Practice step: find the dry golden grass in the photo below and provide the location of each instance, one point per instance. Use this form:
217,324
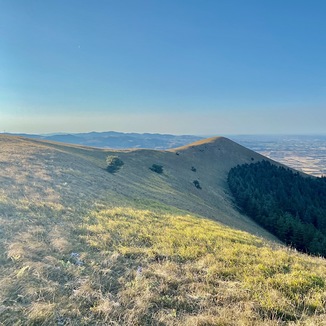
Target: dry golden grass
150,251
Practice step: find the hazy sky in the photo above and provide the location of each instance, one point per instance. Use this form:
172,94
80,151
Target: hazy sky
169,66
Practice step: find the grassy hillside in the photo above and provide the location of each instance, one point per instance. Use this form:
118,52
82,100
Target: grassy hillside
82,246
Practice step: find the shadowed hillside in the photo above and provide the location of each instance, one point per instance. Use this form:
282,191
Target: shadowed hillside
83,246
212,159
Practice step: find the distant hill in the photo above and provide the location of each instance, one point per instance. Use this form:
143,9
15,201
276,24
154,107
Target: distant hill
212,158
82,246
119,140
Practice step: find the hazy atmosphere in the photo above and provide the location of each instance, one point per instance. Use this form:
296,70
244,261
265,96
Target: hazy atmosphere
212,67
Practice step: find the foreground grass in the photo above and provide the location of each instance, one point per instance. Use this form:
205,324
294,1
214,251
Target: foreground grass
160,266
181,269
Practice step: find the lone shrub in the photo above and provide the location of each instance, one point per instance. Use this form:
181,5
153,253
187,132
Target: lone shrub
193,169
196,183
157,168
114,164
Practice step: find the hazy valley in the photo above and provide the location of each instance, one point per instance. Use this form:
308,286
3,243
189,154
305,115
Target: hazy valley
303,153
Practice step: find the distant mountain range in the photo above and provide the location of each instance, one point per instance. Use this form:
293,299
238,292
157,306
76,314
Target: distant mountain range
118,140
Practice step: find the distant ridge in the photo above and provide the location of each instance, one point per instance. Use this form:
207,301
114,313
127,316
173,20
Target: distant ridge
118,140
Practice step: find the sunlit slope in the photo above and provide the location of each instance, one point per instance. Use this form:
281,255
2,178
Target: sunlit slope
81,246
208,162
211,159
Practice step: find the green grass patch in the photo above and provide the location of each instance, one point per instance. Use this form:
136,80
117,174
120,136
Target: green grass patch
157,266
189,263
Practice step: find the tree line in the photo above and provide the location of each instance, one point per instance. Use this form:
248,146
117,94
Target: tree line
289,205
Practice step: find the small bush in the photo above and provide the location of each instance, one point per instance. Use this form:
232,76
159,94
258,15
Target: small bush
196,183
114,163
157,168
193,169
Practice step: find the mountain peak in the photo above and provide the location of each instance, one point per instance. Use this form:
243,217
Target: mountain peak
212,141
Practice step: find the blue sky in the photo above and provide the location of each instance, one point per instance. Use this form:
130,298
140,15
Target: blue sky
194,67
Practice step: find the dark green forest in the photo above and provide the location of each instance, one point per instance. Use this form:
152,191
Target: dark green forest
289,205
